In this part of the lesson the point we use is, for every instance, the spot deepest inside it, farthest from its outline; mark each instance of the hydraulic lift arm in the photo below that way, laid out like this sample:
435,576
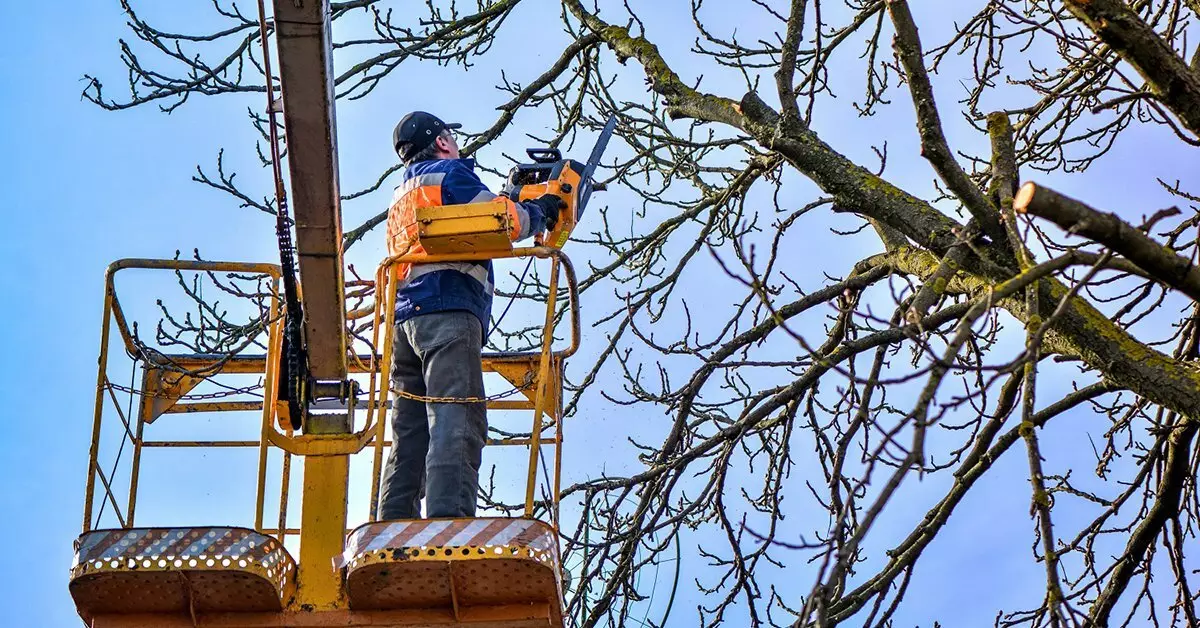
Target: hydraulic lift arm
306,73
306,76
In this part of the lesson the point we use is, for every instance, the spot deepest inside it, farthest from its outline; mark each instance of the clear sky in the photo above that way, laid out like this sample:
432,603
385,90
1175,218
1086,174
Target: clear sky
83,187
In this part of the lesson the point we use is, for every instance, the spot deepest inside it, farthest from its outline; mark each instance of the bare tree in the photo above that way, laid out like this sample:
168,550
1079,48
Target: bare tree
832,394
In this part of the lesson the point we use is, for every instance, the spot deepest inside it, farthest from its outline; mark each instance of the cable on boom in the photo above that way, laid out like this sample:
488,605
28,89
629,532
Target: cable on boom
293,372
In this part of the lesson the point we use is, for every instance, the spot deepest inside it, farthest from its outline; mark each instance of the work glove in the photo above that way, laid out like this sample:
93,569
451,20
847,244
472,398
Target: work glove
550,205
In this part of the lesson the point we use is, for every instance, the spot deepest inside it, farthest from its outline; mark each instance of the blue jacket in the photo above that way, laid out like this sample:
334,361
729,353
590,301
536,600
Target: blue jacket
446,286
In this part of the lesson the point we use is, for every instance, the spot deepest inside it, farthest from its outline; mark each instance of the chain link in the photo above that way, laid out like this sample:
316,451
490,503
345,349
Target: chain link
428,399
529,379
259,386
250,389
188,397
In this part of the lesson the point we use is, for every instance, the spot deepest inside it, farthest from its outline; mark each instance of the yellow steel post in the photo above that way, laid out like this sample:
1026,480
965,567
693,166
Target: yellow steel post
385,280
270,393
558,440
270,399
102,367
539,404
135,468
284,485
322,532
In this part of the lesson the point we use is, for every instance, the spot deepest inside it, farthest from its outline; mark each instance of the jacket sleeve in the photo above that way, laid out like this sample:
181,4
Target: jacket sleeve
461,186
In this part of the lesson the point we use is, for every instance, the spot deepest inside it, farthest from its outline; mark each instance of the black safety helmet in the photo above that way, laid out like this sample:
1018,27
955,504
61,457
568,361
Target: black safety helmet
416,131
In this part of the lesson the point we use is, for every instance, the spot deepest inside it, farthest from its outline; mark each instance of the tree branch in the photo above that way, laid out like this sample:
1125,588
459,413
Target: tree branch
934,147
787,59
1168,75
1108,229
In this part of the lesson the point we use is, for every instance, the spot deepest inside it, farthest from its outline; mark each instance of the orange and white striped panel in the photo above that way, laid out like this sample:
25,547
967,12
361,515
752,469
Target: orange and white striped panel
428,533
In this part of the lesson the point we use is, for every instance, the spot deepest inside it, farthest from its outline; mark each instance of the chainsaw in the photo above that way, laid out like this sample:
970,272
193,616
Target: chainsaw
565,178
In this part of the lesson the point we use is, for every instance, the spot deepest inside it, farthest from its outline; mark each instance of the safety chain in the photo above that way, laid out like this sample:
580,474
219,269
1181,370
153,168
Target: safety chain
249,389
428,399
188,397
529,377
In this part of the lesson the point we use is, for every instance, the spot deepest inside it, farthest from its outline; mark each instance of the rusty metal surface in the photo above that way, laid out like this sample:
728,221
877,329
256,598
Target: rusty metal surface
523,375
474,584
172,592
162,390
302,31
453,563
164,570
386,586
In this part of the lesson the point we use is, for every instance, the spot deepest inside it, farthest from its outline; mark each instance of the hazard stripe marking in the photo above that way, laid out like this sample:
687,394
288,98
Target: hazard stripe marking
425,533
452,529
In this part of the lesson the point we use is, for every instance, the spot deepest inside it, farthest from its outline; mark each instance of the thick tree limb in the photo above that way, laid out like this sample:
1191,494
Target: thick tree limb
1108,229
787,59
1005,176
896,213
1168,75
934,147
1081,329
934,286
682,100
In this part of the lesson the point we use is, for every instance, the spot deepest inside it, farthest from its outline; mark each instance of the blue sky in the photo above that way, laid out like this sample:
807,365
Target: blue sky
85,187
82,188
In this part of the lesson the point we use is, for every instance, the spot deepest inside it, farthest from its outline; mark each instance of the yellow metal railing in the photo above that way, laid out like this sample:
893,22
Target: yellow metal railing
549,361
134,426
167,379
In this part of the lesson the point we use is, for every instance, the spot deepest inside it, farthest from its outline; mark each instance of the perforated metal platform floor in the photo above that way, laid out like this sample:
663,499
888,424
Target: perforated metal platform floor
484,573
466,565
180,570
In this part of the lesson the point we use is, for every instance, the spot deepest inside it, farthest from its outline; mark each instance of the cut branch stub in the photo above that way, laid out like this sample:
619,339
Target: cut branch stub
1108,229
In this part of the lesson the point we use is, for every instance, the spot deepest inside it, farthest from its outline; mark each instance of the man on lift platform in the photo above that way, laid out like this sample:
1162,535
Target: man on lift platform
442,315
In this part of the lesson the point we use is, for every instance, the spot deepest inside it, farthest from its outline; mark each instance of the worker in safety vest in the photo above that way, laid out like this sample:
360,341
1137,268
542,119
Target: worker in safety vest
442,316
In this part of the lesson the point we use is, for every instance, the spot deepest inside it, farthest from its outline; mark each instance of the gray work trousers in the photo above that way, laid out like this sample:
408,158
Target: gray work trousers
436,447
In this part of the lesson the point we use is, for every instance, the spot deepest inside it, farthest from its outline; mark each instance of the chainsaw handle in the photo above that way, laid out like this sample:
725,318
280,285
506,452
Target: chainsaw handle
544,155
